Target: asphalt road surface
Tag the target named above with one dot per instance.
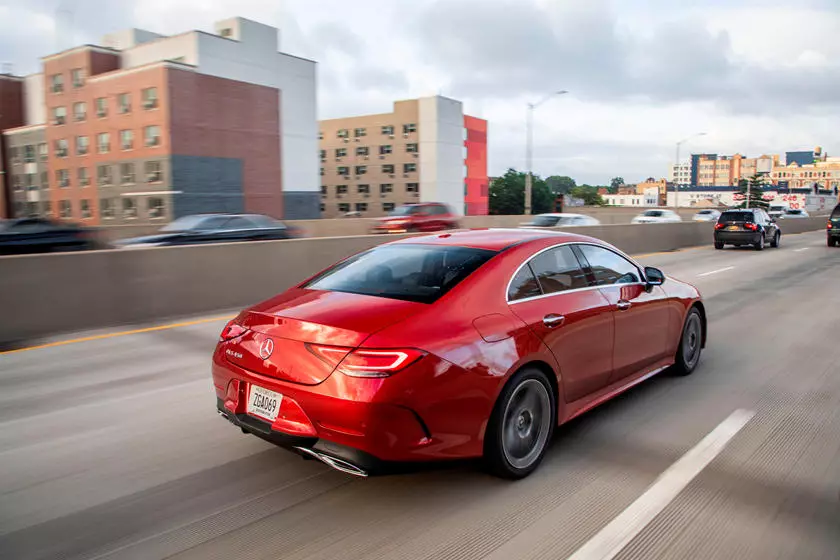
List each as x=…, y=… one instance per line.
x=111, y=448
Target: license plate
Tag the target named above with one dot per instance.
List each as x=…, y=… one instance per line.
x=263, y=403
x=733, y=228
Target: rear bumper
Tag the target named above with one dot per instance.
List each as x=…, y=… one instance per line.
x=833, y=233
x=738, y=237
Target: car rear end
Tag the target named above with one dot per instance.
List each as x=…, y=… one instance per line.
x=832, y=228
x=737, y=227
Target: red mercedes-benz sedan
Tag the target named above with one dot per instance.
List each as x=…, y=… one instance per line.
x=465, y=344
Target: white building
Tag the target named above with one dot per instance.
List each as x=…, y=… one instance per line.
x=247, y=51
x=680, y=173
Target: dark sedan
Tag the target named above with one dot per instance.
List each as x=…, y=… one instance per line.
x=214, y=228
x=39, y=235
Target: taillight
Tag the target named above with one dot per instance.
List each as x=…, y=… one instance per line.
x=367, y=363
x=719, y=226
x=232, y=330
x=751, y=227
x=829, y=225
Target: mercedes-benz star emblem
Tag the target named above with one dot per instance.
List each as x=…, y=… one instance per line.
x=266, y=348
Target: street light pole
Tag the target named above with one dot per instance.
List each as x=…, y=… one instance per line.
x=676, y=169
x=529, y=146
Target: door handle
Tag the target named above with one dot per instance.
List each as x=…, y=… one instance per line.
x=623, y=305
x=553, y=320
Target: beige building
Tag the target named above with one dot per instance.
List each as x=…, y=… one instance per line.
x=720, y=171
x=425, y=150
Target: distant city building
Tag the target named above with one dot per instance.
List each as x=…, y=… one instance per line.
x=425, y=150
x=714, y=170
x=147, y=128
x=680, y=173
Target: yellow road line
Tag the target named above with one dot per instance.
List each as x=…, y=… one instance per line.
x=121, y=333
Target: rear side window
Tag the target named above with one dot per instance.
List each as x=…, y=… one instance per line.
x=558, y=270
x=609, y=268
x=737, y=217
x=421, y=273
x=523, y=285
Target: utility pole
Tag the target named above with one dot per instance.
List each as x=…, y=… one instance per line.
x=529, y=147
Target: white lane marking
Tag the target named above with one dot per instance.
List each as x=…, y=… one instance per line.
x=610, y=540
x=716, y=271
x=802, y=249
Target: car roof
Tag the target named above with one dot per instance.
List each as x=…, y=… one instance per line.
x=493, y=239
x=563, y=215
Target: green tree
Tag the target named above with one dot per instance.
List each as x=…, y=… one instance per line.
x=755, y=185
x=615, y=184
x=507, y=194
x=560, y=184
x=588, y=194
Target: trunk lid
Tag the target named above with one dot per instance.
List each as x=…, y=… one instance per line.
x=281, y=328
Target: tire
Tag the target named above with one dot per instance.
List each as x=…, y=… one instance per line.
x=777, y=241
x=512, y=449
x=760, y=245
x=832, y=242
x=691, y=344
x=718, y=245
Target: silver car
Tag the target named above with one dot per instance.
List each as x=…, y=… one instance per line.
x=560, y=220
x=707, y=215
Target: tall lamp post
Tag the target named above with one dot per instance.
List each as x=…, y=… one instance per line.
x=529, y=145
x=676, y=167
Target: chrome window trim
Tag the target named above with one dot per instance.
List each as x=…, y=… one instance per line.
x=528, y=259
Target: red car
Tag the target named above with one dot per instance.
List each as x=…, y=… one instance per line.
x=428, y=216
x=465, y=344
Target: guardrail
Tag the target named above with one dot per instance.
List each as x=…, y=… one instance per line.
x=43, y=295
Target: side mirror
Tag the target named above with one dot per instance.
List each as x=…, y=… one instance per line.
x=654, y=276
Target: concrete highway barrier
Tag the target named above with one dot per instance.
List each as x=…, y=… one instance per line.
x=44, y=295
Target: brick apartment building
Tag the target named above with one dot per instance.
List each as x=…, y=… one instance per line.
x=150, y=128
x=425, y=150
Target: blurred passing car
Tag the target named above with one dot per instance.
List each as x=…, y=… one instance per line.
x=777, y=210
x=560, y=220
x=431, y=216
x=832, y=228
x=39, y=235
x=452, y=346
x=658, y=216
x=706, y=216
x=751, y=226
x=795, y=214
x=214, y=228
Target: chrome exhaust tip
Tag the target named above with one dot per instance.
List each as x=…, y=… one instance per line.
x=334, y=462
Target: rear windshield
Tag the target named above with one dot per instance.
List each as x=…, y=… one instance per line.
x=835, y=214
x=421, y=273
x=737, y=217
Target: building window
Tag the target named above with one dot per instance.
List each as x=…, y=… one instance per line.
x=359, y=132
x=412, y=187
x=362, y=151
x=101, y=107
x=57, y=83
x=103, y=175
x=86, y=209
x=129, y=208
x=320, y=135
x=62, y=177
x=386, y=188
x=343, y=170
x=45, y=180
x=323, y=155
x=386, y=149
x=343, y=207
x=155, y=207
x=343, y=133
x=361, y=169
x=388, y=169
x=84, y=178
x=127, y=173
x=363, y=189
x=103, y=142
x=80, y=111
x=47, y=208
x=411, y=148
x=106, y=208
x=124, y=103
x=408, y=128
x=77, y=76
x=322, y=172
x=409, y=167
x=29, y=153
x=152, y=135
x=42, y=151
x=361, y=207
x=64, y=209
x=59, y=115
x=323, y=190
x=60, y=148
x=82, y=145
x=388, y=129
x=387, y=206
x=153, y=172
x=340, y=152
x=150, y=98
x=127, y=139
x=323, y=207
x=341, y=189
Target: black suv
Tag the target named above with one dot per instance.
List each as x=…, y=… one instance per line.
x=832, y=228
x=750, y=226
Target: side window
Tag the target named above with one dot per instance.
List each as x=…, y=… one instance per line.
x=213, y=224
x=523, y=285
x=238, y=223
x=558, y=270
x=608, y=267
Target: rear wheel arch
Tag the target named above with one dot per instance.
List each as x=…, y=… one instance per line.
x=553, y=379
x=698, y=305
